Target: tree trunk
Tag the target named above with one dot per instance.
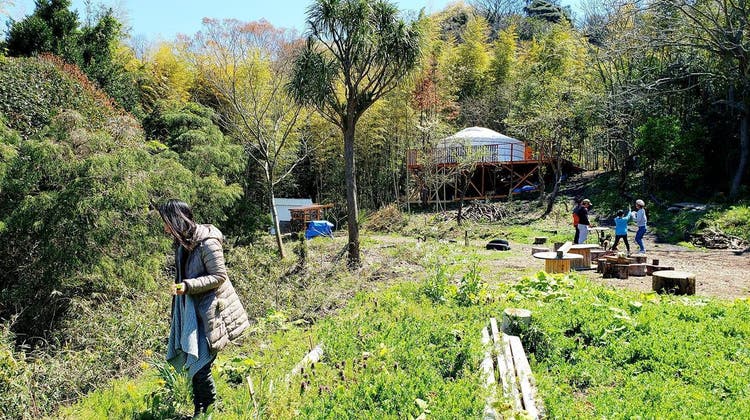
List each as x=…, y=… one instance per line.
x=275, y=220
x=556, y=189
x=351, y=194
x=744, y=151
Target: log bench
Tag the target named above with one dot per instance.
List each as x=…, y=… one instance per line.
x=505, y=363
x=673, y=281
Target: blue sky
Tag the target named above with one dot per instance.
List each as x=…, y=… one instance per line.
x=163, y=19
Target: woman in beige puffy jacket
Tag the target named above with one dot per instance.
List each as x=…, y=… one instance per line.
x=206, y=311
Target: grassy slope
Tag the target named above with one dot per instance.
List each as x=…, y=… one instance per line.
x=596, y=352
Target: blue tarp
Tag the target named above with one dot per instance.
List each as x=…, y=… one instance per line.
x=318, y=228
x=525, y=188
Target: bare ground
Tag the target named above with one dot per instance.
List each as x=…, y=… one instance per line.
x=719, y=273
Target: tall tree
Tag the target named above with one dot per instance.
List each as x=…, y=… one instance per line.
x=247, y=66
x=357, y=51
x=720, y=29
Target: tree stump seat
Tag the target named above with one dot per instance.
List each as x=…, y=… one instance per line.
x=673, y=281
x=637, y=270
x=540, y=240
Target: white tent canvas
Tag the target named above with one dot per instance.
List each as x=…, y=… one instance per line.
x=507, y=148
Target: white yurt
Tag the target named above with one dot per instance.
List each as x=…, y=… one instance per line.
x=501, y=148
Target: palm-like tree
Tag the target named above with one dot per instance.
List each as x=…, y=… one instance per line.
x=357, y=51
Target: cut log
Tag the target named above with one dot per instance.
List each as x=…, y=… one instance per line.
x=621, y=271
x=673, y=281
x=651, y=269
x=539, y=240
x=637, y=270
x=655, y=261
x=596, y=254
x=515, y=319
x=600, y=264
x=535, y=249
x=640, y=259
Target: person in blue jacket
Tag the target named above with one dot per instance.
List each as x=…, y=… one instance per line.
x=621, y=230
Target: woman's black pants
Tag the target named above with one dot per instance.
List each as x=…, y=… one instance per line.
x=204, y=389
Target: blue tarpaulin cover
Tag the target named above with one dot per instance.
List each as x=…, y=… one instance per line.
x=318, y=228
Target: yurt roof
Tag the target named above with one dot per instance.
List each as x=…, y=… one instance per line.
x=478, y=136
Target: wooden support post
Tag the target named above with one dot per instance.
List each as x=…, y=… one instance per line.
x=515, y=319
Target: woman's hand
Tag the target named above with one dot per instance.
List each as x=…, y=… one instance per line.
x=178, y=288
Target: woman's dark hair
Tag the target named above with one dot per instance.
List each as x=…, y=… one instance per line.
x=179, y=217
x=620, y=213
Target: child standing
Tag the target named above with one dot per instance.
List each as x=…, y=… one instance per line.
x=621, y=230
x=641, y=220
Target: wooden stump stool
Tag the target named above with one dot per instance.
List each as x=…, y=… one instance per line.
x=535, y=249
x=596, y=254
x=637, y=270
x=673, y=281
x=651, y=269
x=640, y=259
x=621, y=271
x=514, y=320
x=554, y=263
x=540, y=240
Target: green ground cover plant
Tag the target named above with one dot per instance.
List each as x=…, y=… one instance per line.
x=413, y=348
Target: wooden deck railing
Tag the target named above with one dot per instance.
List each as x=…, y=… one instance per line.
x=491, y=153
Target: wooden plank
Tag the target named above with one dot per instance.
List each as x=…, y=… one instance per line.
x=511, y=367
x=565, y=247
x=502, y=363
x=312, y=357
x=525, y=378
x=488, y=372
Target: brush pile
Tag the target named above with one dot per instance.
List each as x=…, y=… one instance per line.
x=388, y=219
x=479, y=212
x=715, y=239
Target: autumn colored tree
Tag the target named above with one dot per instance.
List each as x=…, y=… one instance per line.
x=356, y=53
x=246, y=66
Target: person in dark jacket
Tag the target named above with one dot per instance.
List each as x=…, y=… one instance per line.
x=583, y=220
x=206, y=311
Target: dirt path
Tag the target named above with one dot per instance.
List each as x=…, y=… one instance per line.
x=719, y=273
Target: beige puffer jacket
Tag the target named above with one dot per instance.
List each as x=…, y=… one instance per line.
x=205, y=277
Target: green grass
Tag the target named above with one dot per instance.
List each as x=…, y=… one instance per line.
x=413, y=347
